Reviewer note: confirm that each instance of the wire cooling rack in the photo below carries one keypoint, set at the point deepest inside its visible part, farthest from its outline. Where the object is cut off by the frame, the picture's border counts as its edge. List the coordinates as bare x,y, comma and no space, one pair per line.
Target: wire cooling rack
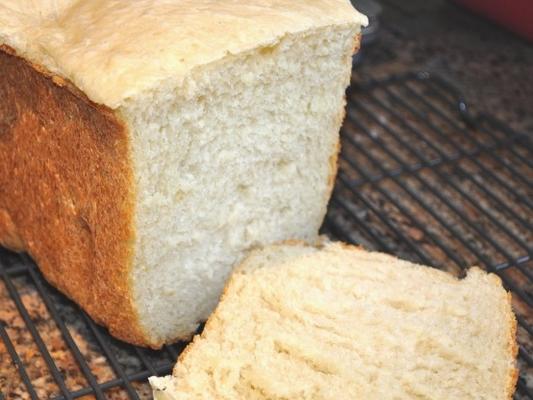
420,177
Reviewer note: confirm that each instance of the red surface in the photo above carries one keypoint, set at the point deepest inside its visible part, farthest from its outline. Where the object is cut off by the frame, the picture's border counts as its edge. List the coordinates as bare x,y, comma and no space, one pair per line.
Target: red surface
517,15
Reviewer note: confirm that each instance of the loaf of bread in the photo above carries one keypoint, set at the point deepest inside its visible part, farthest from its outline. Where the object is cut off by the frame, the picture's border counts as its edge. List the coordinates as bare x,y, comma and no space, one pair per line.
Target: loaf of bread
146,145
338,322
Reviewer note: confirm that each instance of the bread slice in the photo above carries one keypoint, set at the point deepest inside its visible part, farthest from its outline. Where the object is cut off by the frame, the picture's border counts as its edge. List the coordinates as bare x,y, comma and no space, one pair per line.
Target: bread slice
338,322
146,145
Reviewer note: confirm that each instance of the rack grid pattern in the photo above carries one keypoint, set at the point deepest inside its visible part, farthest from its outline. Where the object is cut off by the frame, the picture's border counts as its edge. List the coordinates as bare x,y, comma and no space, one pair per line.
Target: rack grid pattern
420,176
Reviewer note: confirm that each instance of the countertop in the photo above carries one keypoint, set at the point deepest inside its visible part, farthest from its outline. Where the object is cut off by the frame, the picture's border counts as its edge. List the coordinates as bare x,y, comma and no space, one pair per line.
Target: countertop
491,66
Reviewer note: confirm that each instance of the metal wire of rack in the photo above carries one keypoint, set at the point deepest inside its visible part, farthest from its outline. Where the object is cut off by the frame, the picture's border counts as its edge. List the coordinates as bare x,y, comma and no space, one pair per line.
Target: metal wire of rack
420,176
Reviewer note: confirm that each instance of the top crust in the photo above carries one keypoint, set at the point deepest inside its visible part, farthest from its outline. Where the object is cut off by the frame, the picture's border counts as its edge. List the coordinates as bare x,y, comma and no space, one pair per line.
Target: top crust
90,42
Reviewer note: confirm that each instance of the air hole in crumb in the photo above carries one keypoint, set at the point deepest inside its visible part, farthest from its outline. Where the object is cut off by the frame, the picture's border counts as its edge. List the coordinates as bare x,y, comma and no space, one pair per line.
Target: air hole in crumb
284,210
243,188
179,195
282,163
267,50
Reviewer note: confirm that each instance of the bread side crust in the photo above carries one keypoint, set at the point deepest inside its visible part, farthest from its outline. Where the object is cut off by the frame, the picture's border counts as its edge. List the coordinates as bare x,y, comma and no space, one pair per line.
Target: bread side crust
67,191
512,348
334,158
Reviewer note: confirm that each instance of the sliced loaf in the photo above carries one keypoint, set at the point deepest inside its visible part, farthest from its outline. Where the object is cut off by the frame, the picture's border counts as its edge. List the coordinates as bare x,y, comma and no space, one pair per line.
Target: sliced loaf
338,322
145,145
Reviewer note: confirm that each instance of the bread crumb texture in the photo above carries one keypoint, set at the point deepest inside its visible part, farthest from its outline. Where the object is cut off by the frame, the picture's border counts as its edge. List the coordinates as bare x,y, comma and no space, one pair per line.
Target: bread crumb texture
238,157
297,322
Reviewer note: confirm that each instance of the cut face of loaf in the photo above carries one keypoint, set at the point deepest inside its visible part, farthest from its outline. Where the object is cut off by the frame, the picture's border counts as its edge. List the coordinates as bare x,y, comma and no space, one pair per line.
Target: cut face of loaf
337,322
151,144
247,157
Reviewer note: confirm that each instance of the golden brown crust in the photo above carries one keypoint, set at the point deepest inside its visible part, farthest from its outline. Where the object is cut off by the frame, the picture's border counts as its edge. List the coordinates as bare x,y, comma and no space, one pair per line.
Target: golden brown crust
512,345
66,191
334,164
513,351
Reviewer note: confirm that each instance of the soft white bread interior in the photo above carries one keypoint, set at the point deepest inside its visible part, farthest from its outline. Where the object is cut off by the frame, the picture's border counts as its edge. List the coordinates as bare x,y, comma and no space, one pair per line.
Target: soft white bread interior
338,322
245,155
232,111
